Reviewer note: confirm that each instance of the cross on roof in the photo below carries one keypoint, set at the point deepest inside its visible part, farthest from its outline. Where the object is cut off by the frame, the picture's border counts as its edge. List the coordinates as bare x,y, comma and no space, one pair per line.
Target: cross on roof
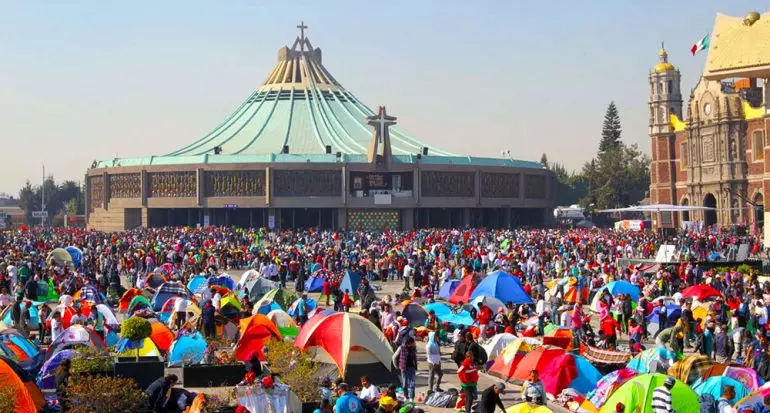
381,121
302,28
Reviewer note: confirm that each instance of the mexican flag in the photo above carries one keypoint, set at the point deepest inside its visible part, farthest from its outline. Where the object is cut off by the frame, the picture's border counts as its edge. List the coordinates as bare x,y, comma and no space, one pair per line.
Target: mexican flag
702,44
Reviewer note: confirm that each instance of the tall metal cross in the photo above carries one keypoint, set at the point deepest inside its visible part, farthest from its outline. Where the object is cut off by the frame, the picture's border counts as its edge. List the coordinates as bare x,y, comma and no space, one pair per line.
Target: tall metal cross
302,28
382,120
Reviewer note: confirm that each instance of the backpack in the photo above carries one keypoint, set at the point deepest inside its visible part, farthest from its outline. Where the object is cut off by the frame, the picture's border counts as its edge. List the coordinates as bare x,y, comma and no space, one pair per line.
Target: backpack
707,403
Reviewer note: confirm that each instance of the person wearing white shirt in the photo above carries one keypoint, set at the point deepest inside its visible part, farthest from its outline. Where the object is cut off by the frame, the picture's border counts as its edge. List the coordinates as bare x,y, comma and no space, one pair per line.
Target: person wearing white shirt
56,326
180,309
5,298
369,392
141,282
540,309
408,271
12,272
216,300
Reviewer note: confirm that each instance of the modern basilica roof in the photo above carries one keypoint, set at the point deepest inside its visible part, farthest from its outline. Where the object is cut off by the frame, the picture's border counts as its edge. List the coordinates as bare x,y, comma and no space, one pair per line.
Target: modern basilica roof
301,113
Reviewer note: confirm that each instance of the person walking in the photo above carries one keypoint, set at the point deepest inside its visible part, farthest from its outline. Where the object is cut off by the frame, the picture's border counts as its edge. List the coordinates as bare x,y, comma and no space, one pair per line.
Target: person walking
208,314
406,358
433,354
661,397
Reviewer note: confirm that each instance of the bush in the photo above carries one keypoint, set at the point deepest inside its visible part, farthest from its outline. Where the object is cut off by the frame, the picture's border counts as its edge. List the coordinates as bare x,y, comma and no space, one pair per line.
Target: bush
295,367
89,360
7,399
135,329
105,394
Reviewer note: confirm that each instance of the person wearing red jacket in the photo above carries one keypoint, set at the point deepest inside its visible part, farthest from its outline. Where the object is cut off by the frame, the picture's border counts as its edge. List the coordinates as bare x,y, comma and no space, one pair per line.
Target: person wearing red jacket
469,377
609,329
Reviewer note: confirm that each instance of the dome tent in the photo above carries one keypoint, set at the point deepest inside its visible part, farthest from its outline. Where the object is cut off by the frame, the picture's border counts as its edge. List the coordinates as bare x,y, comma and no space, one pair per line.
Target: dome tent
447,288
188,347
503,286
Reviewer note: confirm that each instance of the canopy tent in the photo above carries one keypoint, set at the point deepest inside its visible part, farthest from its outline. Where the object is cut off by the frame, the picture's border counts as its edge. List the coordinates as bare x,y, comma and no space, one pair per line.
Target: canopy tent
146,348
46,378
76,254
197,284
167,290
503,286
350,282
255,330
462,294
659,208
350,342
636,395
314,284
24,403
126,298
715,386
653,360
608,384
447,288
414,313
508,359
187,349
286,325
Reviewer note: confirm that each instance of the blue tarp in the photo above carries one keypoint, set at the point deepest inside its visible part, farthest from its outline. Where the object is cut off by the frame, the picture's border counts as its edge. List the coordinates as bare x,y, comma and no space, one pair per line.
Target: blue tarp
314,284
445,314
350,282
311,305
503,286
187,347
621,287
76,254
197,284
447,289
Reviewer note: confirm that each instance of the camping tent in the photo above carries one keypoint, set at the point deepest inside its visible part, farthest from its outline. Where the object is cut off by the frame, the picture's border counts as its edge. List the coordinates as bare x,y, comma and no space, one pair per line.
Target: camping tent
146,348
715,386
197,284
503,286
653,360
690,368
223,280
60,256
76,254
168,308
673,312
258,287
24,402
498,343
636,395
155,280
137,303
161,335
168,290
608,384
463,291
187,348
230,306
311,305
109,317
558,370
352,344
350,282
89,294
414,313
17,347
46,378
255,330
286,325
508,359
74,336
447,288
126,298
314,284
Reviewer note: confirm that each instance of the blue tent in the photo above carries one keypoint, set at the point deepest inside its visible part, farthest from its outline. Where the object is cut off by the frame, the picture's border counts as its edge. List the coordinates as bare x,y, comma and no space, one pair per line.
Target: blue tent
197,284
673,312
587,377
622,287
311,305
314,284
447,289
223,280
187,347
267,308
503,286
315,267
715,384
33,321
350,282
46,378
76,254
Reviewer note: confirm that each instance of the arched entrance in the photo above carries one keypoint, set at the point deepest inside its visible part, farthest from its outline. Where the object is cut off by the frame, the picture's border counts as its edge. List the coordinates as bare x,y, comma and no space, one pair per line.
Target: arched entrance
685,214
710,216
759,210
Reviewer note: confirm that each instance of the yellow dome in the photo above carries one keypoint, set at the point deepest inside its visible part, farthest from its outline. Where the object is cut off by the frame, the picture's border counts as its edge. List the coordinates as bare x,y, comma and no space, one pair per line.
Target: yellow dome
663,67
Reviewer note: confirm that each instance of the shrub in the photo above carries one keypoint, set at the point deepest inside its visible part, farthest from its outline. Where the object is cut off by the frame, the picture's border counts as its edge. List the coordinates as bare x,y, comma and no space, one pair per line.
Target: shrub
89,360
105,394
7,399
135,329
295,367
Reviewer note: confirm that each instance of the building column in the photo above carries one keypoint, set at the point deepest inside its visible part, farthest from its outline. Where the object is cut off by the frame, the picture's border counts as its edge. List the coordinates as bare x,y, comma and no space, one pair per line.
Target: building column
467,214
199,187
251,217
342,219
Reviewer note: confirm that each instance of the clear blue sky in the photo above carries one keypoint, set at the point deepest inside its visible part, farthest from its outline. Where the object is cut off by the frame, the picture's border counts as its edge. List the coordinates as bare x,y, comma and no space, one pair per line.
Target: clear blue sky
85,80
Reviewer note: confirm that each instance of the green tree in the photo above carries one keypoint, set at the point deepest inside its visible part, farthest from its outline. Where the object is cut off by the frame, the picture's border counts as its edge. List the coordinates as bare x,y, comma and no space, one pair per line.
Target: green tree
57,198
544,160
611,129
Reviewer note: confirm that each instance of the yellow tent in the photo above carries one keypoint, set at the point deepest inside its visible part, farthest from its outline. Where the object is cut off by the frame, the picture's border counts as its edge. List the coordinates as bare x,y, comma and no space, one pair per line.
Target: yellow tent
147,348
528,408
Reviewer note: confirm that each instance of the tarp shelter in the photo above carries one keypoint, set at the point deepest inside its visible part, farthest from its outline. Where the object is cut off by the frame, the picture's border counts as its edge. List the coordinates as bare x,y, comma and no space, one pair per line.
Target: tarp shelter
168,290
350,282
352,344
653,360
690,368
197,284
46,378
414,313
223,280
76,254
187,349
508,359
311,305
24,402
636,395
146,348
503,286
155,280
126,298
60,256
286,325
161,336
137,303
715,386
608,384
462,294
255,330
447,288
259,286
314,284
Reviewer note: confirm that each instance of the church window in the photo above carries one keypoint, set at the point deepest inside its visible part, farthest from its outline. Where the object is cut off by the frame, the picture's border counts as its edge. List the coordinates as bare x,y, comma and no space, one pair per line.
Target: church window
758,144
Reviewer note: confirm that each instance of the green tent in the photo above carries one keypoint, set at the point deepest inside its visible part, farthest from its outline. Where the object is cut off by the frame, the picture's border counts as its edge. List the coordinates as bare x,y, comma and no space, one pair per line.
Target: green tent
636,395
139,299
46,291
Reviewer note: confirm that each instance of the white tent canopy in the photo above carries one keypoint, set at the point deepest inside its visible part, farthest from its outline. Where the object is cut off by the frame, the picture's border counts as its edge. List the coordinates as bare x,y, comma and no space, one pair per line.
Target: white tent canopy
659,208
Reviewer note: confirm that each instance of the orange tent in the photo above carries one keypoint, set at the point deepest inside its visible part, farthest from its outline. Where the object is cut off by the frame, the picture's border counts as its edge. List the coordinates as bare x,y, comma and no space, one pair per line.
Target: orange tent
255,330
161,336
126,298
9,380
560,337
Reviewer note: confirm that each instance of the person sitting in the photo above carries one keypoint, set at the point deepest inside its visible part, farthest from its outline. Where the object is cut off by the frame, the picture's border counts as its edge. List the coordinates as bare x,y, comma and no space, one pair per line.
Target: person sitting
368,394
347,402
388,401
533,390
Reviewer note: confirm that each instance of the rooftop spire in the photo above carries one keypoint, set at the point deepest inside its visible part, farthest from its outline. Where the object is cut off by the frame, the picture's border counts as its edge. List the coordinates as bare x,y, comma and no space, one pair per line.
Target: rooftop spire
302,28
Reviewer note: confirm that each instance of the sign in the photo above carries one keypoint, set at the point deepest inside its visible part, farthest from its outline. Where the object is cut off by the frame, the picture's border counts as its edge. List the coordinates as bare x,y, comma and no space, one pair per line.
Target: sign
39,214
230,206
206,220
271,221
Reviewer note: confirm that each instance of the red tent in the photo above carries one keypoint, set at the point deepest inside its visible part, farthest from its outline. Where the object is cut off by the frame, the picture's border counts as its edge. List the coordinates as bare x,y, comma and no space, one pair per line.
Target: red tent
536,359
255,330
463,291
700,292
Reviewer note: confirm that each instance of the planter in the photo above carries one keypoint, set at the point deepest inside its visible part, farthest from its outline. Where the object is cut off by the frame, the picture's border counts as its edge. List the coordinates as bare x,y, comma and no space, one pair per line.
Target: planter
144,372
212,375
309,407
